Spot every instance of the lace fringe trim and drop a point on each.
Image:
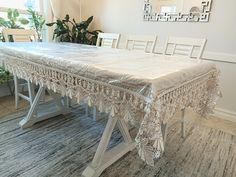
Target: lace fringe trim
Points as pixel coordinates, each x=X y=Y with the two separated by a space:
x=148 y=112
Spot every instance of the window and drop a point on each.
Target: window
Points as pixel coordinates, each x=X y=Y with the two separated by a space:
x=21 y=5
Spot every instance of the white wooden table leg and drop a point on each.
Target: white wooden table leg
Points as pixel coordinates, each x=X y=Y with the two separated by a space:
x=103 y=158
x=64 y=107
x=31 y=91
x=56 y=98
x=43 y=97
x=124 y=131
x=16 y=83
x=104 y=141
x=34 y=115
x=183 y=121
x=29 y=120
x=164 y=129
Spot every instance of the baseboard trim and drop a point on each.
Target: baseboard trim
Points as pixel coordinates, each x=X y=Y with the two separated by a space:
x=225 y=114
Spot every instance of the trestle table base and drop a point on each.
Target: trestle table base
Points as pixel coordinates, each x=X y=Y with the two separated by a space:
x=104 y=158
x=35 y=116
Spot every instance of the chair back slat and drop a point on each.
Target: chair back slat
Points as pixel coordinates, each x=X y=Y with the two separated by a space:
x=21 y=39
x=108 y=40
x=20 y=35
x=145 y=43
x=185 y=46
x=107 y=43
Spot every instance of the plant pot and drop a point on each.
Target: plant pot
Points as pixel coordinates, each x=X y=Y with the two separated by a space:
x=6 y=89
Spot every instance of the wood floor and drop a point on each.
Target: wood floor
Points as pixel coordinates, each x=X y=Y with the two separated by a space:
x=64 y=145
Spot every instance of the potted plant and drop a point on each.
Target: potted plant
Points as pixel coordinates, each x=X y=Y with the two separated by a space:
x=1 y=37
x=71 y=31
x=14 y=21
x=5 y=78
x=36 y=22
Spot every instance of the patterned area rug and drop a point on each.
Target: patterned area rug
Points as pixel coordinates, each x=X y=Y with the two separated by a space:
x=64 y=145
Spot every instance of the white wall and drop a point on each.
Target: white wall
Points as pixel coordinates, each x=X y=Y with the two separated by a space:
x=125 y=17
x=61 y=7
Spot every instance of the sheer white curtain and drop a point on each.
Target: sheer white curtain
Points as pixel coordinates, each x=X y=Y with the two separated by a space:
x=57 y=9
x=61 y=7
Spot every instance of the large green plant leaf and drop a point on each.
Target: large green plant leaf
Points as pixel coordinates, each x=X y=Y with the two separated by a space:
x=84 y=24
x=37 y=22
x=67 y=18
x=15 y=13
x=23 y=21
x=4 y=23
x=9 y=14
x=51 y=24
x=13 y=19
x=4 y=76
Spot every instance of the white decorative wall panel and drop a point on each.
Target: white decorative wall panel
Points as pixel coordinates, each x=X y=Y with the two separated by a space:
x=203 y=16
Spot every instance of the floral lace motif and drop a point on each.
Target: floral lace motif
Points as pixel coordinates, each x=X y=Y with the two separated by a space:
x=148 y=112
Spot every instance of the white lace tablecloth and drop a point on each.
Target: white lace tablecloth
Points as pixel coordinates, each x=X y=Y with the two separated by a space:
x=144 y=89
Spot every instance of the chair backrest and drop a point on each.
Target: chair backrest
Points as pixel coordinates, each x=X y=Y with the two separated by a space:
x=20 y=35
x=185 y=46
x=109 y=40
x=145 y=43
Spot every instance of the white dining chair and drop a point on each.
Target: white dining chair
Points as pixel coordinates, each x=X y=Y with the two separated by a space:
x=21 y=35
x=190 y=47
x=138 y=42
x=187 y=47
x=108 y=40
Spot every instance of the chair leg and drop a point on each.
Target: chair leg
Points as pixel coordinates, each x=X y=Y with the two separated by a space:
x=164 y=130
x=43 y=96
x=183 y=121
x=67 y=102
x=95 y=113
x=86 y=109
x=16 y=83
x=10 y=89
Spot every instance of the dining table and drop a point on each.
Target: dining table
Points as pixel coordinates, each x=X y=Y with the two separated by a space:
x=135 y=88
